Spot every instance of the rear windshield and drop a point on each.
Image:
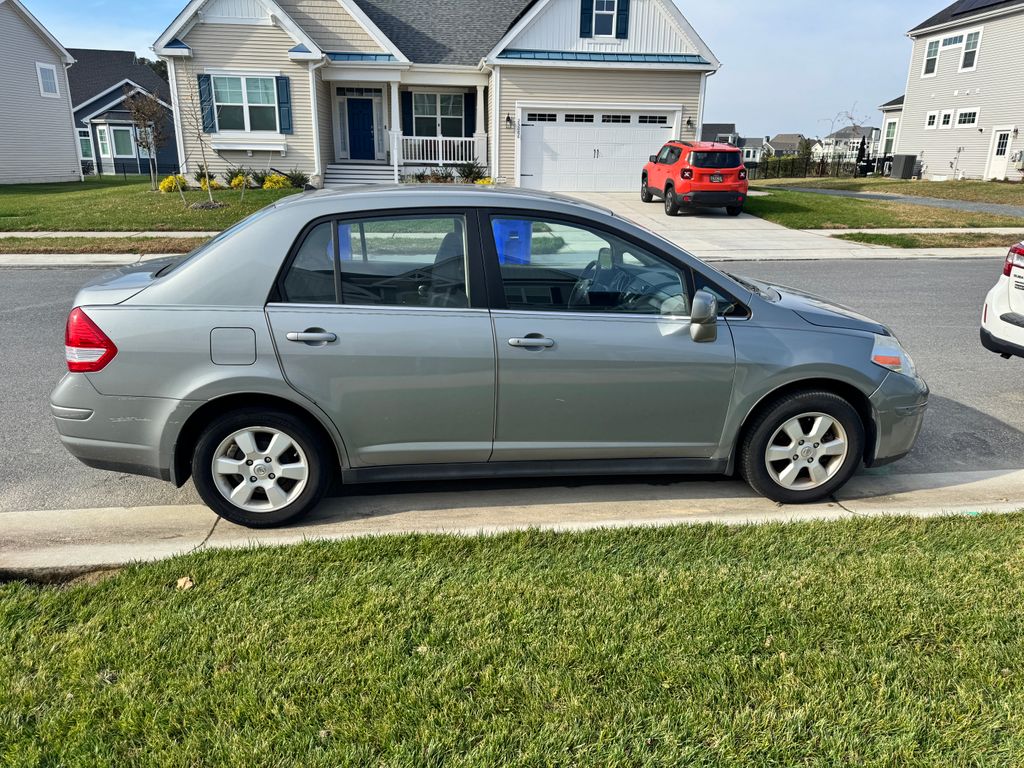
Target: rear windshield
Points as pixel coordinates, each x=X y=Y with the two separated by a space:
x=715 y=159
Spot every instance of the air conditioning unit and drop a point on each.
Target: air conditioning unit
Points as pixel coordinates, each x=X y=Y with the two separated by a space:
x=903 y=166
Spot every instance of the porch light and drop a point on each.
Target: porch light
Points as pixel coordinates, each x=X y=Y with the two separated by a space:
x=508 y=121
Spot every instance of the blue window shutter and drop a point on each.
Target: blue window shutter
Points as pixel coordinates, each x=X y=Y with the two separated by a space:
x=206 y=104
x=622 y=19
x=406 y=99
x=284 y=104
x=586 y=18
x=469 y=102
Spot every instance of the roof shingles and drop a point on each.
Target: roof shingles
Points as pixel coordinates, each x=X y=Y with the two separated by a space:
x=96 y=71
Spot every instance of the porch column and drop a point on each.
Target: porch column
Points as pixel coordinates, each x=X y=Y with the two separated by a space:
x=480 y=135
x=395 y=129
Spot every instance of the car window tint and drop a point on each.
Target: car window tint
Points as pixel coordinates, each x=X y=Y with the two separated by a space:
x=673 y=155
x=310 y=278
x=715 y=160
x=555 y=266
x=664 y=154
x=416 y=261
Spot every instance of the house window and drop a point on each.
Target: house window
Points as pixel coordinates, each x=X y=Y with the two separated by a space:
x=101 y=137
x=245 y=103
x=615 y=118
x=951 y=41
x=47 y=74
x=967 y=117
x=577 y=118
x=540 y=117
x=653 y=120
x=970 y=58
x=947 y=119
x=438 y=114
x=123 y=139
x=931 y=121
x=931 y=59
x=85 y=144
x=890 y=138
x=1002 y=144
x=604 y=18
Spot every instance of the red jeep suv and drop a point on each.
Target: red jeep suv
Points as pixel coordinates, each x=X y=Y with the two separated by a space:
x=702 y=174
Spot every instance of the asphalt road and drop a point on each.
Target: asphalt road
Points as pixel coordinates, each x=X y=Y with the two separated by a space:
x=976 y=421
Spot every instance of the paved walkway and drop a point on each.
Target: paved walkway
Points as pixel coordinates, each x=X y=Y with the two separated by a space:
x=929 y=202
x=35 y=235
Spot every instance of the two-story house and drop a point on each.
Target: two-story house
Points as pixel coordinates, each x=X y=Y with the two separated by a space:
x=39 y=139
x=785 y=144
x=549 y=94
x=844 y=145
x=723 y=133
x=964 y=103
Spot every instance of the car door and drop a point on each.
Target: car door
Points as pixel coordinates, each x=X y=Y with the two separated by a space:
x=595 y=359
x=382 y=322
x=657 y=174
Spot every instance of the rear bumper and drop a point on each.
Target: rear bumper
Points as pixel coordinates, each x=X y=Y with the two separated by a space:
x=900 y=404
x=1000 y=347
x=715 y=199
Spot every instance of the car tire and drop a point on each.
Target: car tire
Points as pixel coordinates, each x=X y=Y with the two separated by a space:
x=288 y=477
x=776 y=464
x=671 y=203
x=734 y=210
x=645 y=192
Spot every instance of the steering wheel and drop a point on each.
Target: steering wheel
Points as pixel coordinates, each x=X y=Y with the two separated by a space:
x=639 y=291
x=580 y=292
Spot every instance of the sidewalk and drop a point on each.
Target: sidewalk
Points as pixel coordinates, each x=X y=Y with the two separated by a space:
x=39 y=235
x=38 y=543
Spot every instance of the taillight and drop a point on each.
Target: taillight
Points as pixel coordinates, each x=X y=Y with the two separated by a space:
x=1015 y=258
x=743 y=174
x=687 y=174
x=87 y=349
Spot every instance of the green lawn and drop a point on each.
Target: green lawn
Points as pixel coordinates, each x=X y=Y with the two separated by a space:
x=934 y=240
x=116 y=205
x=806 y=210
x=973 y=191
x=143 y=245
x=861 y=643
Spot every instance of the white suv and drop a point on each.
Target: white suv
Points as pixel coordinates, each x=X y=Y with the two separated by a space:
x=1002 y=320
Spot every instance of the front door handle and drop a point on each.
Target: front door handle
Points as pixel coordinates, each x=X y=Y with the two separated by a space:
x=312 y=336
x=533 y=342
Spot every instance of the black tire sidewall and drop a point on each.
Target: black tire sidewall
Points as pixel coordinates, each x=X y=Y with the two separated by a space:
x=755 y=443
x=645 y=192
x=734 y=210
x=671 y=206
x=312 y=444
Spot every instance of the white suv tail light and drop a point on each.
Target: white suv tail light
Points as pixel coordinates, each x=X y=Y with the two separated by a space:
x=1015 y=258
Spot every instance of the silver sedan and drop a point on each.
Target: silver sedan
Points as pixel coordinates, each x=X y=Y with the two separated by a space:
x=400 y=333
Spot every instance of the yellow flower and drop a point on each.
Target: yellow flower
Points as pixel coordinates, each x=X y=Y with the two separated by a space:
x=172 y=183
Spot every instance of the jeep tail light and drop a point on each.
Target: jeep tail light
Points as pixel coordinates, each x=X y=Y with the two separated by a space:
x=87 y=349
x=687 y=174
x=1015 y=258
x=743 y=174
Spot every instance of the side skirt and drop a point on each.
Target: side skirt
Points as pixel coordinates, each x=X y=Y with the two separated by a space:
x=500 y=469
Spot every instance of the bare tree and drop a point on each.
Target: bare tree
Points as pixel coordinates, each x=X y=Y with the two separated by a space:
x=148 y=115
x=190 y=112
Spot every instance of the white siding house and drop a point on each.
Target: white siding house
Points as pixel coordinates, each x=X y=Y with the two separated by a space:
x=964 y=104
x=39 y=139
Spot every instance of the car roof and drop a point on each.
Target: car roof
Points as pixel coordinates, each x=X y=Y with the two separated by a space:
x=706 y=146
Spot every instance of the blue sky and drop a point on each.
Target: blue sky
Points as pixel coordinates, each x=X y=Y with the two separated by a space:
x=788 y=65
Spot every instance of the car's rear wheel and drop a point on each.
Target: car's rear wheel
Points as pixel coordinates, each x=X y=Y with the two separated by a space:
x=803 y=447
x=734 y=210
x=645 y=192
x=261 y=468
x=671 y=203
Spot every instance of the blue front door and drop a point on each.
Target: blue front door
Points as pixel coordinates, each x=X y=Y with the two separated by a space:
x=360 y=129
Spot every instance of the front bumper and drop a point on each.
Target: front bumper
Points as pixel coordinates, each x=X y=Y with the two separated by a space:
x=116 y=433
x=900 y=404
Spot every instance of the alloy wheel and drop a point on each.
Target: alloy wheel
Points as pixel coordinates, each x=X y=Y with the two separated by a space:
x=260 y=469
x=806 y=451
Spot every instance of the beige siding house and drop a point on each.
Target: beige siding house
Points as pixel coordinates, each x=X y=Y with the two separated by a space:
x=550 y=94
x=964 y=105
x=39 y=139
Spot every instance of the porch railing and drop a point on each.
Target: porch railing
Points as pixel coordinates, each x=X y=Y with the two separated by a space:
x=442 y=150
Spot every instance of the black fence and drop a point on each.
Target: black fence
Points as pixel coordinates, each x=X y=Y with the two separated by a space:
x=803 y=168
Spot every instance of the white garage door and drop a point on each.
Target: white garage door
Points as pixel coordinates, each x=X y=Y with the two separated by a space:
x=589 y=150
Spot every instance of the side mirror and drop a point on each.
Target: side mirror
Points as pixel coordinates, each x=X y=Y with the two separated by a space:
x=654 y=158
x=704 y=318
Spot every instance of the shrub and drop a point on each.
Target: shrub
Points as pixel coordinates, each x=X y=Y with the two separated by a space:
x=212 y=183
x=442 y=175
x=485 y=182
x=298 y=179
x=471 y=172
x=259 y=178
x=173 y=183
x=201 y=173
x=236 y=177
x=240 y=181
x=276 y=181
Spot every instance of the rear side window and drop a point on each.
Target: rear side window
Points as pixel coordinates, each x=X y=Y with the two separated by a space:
x=310 y=279
x=715 y=160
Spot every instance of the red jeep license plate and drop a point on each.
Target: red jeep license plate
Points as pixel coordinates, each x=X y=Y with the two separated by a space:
x=716 y=178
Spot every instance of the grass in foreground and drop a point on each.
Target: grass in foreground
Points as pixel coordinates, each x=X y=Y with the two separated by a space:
x=115 y=205
x=806 y=210
x=935 y=239
x=143 y=245
x=868 y=642
x=971 y=191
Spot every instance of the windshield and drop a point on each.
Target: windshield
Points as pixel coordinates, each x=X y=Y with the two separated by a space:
x=213 y=241
x=715 y=159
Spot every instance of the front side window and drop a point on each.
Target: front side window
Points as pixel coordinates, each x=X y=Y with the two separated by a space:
x=415 y=261
x=604 y=18
x=970 y=51
x=552 y=266
x=664 y=154
x=85 y=144
x=245 y=103
x=47 y=74
x=931 y=58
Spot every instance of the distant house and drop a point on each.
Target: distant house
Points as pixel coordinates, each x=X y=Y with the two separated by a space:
x=723 y=133
x=844 y=145
x=964 y=103
x=753 y=149
x=785 y=144
x=892 y=113
x=107 y=137
x=38 y=143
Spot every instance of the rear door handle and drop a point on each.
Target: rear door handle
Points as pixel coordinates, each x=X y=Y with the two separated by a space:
x=531 y=342
x=312 y=337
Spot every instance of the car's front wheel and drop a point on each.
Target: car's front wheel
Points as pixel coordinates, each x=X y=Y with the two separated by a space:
x=803 y=447
x=645 y=192
x=261 y=468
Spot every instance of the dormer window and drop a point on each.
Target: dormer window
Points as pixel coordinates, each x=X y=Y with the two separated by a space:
x=604 y=18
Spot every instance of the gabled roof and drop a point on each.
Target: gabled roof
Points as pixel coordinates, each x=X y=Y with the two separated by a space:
x=711 y=131
x=786 y=141
x=102 y=72
x=853 y=132
x=894 y=104
x=964 y=11
x=757 y=141
x=43 y=31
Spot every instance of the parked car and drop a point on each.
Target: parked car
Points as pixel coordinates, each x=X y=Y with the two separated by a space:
x=702 y=174
x=439 y=332
x=1002 y=319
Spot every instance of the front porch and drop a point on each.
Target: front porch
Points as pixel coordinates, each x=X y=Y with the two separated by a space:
x=386 y=123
